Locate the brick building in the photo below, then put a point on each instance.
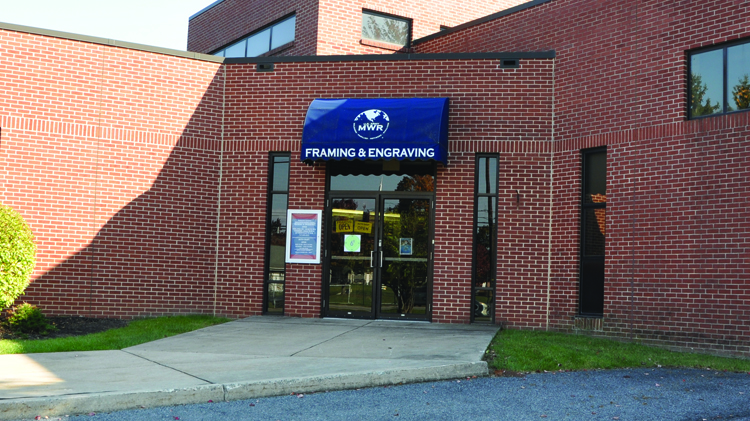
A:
(328, 27)
(596, 176)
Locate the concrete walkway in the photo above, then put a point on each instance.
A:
(253, 357)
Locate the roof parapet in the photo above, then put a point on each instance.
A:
(110, 42)
(205, 9)
(481, 20)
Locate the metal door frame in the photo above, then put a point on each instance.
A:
(379, 198)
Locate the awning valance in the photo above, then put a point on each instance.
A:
(414, 129)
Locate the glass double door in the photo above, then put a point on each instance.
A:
(378, 257)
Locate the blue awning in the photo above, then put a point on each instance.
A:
(414, 129)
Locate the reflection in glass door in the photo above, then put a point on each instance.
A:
(405, 266)
(351, 254)
(378, 257)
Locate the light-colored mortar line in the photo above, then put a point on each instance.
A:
(634, 188)
(221, 173)
(98, 135)
(551, 199)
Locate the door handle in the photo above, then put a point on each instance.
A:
(372, 261)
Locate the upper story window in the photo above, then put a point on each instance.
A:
(720, 80)
(262, 41)
(385, 28)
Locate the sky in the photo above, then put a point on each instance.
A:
(160, 23)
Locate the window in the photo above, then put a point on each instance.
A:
(719, 80)
(385, 28)
(263, 41)
(278, 196)
(593, 232)
(485, 238)
(375, 176)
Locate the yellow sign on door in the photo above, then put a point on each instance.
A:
(363, 227)
(345, 225)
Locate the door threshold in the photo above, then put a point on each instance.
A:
(402, 321)
(380, 320)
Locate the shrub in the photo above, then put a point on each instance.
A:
(26, 318)
(17, 255)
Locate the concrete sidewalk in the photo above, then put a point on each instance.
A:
(253, 357)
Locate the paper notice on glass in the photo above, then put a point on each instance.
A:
(352, 243)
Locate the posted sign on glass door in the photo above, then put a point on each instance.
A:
(303, 236)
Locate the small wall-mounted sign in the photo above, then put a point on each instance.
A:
(303, 236)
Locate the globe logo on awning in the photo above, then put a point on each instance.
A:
(371, 124)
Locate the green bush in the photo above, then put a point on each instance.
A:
(17, 255)
(26, 318)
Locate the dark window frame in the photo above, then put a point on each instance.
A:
(272, 160)
(724, 47)
(585, 259)
(493, 236)
(410, 22)
(257, 31)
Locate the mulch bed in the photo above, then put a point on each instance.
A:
(69, 326)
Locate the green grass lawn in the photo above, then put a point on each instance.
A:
(528, 351)
(137, 332)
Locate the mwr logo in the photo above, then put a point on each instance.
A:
(371, 124)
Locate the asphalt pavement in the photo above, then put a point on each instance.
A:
(633, 394)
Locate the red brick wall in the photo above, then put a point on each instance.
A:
(121, 183)
(564, 255)
(107, 152)
(242, 238)
(619, 64)
(265, 112)
(340, 21)
(523, 238)
(112, 156)
(678, 232)
(304, 282)
(676, 212)
(330, 26)
(454, 191)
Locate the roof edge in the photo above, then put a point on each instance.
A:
(110, 42)
(205, 9)
(481, 20)
(395, 57)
